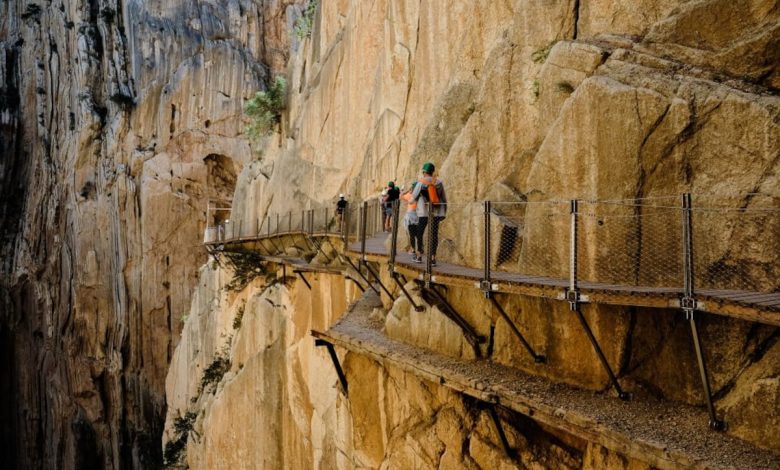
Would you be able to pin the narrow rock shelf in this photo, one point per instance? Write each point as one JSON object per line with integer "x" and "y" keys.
{"x": 664, "y": 434}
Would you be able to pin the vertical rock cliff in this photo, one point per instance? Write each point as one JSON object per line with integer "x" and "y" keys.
{"x": 114, "y": 118}
{"x": 514, "y": 101}
{"x": 119, "y": 120}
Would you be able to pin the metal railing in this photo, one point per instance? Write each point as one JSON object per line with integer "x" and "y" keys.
{"x": 323, "y": 221}
{"x": 732, "y": 244}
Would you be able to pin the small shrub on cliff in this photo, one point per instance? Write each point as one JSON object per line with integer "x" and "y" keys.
{"x": 239, "y": 316}
{"x": 175, "y": 447}
{"x": 215, "y": 371}
{"x": 265, "y": 109}
{"x": 539, "y": 56}
{"x": 305, "y": 23}
{"x": 246, "y": 267}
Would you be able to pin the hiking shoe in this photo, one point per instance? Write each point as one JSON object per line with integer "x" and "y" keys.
{"x": 433, "y": 262}
{"x": 417, "y": 259}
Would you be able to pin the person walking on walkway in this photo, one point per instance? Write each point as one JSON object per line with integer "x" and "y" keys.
{"x": 393, "y": 194}
{"x": 431, "y": 190}
{"x": 341, "y": 207}
{"x": 410, "y": 218}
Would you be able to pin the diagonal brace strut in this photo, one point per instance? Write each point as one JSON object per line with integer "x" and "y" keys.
{"x": 336, "y": 364}
{"x": 538, "y": 358}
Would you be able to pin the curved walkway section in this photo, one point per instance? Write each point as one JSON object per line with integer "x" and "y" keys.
{"x": 664, "y": 434}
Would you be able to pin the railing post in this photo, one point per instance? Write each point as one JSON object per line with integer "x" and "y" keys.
{"x": 325, "y": 228}
{"x": 363, "y": 222}
{"x": 394, "y": 234}
{"x": 277, "y": 224}
{"x": 289, "y": 222}
{"x": 573, "y": 254}
{"x": 688, "y": 305}
{"x": 429, "y": 248}
{"x": 344, "y": 229}
{"x": 574, "y": 299}
{"x": 487, "y": 284}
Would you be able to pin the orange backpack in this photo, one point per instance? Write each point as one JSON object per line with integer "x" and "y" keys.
{"x": 433, "y": 194}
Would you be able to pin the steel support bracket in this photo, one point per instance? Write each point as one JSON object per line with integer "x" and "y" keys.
{"x": 417, "y": 308}
{"x": 500, "y": 430}
{"x": 688, "y": 305}
{"x": 335, "y": 359}
{"x": 303, "y": 278}
{"x": 538, "y": 358}
{"x": 573, "y": 297}
{"x": 486, "y": 286}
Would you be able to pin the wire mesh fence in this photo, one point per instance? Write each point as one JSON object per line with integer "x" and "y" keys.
{"x": 736, "y": 243}
{"x": 531, "y": 239}
{"x": 630, "y": 243}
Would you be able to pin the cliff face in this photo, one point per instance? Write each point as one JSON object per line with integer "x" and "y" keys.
{"x": 118, "y": 120}
{"x": 114, "y": 118}
{"x": 519, "y": 101}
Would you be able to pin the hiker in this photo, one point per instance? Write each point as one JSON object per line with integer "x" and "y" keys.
{"x": 410, "y": 218}
{"x": 341, "y": 207}
{"x": 393, "y": 194}
{"x": 382, "y": 207}
{"x": 431, "y": 191}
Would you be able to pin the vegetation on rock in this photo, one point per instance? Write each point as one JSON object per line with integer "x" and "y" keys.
{"x": 265, "y": 109}
{"x": 174, "y": 449}
{"x": 215, "y": 371}
{"x": 305, "y": 23}
{"x": 246, "y": 267}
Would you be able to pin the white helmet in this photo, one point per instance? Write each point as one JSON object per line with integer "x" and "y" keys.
{"x": 341, "y": 196}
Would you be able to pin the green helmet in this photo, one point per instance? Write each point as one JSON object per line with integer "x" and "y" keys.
{"x": 428, "y": 167}
{"x": 391, "y": 184}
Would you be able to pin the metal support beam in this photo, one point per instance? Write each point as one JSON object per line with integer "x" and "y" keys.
{"x": 434, "y": 297}
{"x": 303, "y": 278}
{"x": 362, "y": 289}
{"x": 335, "y": 359}
{"x": 360, "y": 273}
{"x": 417, "y": 308}
{"x": 500, "y": 430}
{"x": 573, "y": 297}
{"x": 376, "y": 276}
{"x": 538, "y": 358}
{"x": 688, "y": 304}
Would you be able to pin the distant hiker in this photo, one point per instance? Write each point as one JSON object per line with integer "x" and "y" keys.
{"x": 341, "y": 207}
{"x": 431, "y": 191}
{"x": 410, "y": 219}
{"x": 393, "y": 194}
{"x": 382, "y": 207}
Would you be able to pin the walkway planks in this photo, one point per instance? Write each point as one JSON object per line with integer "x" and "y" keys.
{"x": 664, "y": 434}
{"x": 750, "y": 306}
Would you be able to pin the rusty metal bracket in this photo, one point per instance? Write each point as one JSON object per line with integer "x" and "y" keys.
{"x": 360, "y": 273}
{"x": 303, "y": 278}
{"x": 335, "y": 359}
{"x": 538, "y": 358}
{"x": 434, "y": 297}
{"x": 417, "y": 308}
{"x": 500, "y": 430}
{"x": 359, "y": 286}
{"x": 376, "y": 276}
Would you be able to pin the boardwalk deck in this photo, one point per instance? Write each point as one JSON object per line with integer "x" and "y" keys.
{"x": 665, "y": 434}
{"x": 751, "y": 306}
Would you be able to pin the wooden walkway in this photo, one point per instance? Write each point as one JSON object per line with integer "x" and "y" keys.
{"x": 750, "y": 306}
{"x": 667, "y": 435}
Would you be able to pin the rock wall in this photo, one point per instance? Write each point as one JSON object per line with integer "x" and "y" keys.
{"x": 108, "y": 109}
{"x": 111, "y": 111}
{"x": 278, "y": 403}
{"x": 521, "y": 101}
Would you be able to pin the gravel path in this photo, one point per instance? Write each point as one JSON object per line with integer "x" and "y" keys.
{"x": 662, "y": 433}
